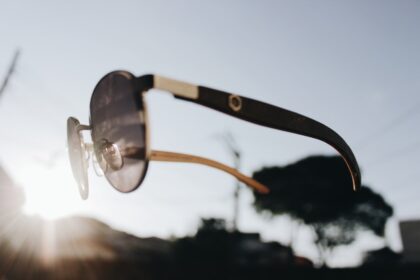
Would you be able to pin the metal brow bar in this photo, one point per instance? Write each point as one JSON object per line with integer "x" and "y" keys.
{"x": 262, "y": 114}
{"x": 178, "y": 88}
{"x": 177, "y": 157}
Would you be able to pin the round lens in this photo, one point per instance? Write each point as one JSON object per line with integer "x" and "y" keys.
{"x": 117, "y": 118}
{"x": 77, "y": 156}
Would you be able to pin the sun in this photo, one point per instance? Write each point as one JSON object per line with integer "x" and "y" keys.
{"x": 50, "y": 192}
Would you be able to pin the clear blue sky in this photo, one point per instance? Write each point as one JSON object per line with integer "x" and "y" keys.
{"x": 353, "y": 65}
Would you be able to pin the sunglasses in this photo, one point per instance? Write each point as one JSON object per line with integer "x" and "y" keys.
{"x": 120, "y": 132}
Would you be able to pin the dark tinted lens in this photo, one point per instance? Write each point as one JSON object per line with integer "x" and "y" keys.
{"x": 118, "y": 130}
{"x": 76, "y": 155}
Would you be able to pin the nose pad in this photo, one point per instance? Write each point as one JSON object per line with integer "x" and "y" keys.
{"x": 112, "y": 156}
{"x": 85, "y": 154}
{"x": 96, "y": 166}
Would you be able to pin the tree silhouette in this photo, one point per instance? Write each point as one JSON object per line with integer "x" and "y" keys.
{"x": 201, "y": 248}
{"x": 317, "y": 191}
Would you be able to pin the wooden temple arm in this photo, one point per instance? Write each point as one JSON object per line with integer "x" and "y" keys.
{"x": 257, "y": 112}
{"x": 177, "y": 157}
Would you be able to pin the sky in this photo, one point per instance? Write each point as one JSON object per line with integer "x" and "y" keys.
{"x": 352, "y": 65}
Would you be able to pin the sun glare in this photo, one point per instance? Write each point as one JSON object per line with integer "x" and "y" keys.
{"x": 50, "y": 191}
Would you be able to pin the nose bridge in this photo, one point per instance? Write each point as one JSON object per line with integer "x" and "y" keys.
{"x": 81, "y": 127}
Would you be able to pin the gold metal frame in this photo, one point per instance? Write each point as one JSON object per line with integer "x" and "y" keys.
{"x": 244, "y": 108}
{"x": 145, "y": 113}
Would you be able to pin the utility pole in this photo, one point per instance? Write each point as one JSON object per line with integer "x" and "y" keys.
{"x": 10, "y": 72}
{"x": 236, "y": 154}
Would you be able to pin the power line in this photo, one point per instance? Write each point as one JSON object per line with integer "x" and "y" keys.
{"x": 192, "y": 199}
{"x": 392, "y": 155}
{"x": 388, "y": 127}
{"x": 9, "y": 73}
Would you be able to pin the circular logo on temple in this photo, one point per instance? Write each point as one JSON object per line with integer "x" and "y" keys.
{"x": 235, "y": 102}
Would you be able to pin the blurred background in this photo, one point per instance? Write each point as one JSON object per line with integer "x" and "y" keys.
{"x": 352, "y": 65}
